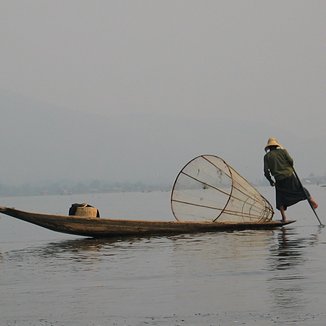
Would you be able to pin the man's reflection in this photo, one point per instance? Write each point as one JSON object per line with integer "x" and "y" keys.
{"x": 286, "y": 263}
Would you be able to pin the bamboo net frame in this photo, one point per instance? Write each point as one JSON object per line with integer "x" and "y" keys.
{"x": 209, "y": 189}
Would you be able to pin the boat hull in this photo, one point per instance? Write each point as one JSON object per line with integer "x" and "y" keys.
{"x": 107, "y": 227}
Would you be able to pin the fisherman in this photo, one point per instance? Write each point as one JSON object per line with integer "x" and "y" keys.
{"x": 279, "y": 164}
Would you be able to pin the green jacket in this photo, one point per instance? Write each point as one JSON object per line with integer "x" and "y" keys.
{"x": 278, "y": 163}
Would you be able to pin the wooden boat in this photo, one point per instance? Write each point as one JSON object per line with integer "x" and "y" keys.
{"x": 107, "y": 227}
{"x": 208, "y": 195}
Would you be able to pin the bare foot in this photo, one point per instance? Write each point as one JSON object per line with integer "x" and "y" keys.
{"x": 313, "y": 203}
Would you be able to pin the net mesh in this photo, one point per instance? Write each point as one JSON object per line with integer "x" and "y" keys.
{"x": 208, "y": 189}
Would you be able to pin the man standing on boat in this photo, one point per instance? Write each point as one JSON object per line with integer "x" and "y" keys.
{"x": 279, "y": 164}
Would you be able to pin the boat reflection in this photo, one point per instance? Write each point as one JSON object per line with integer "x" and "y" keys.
{"x": 86, "y": 245}
{"x": 85, "y": 253}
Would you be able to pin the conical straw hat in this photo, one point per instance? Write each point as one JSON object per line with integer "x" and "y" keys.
{"x": 272, "y": 142}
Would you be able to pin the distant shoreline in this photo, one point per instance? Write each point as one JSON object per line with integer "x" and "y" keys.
{"x": 96, "y": 187}
{"x": 76, "y": 188}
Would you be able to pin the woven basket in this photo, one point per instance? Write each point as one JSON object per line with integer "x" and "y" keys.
{"x": 86, "y": 211}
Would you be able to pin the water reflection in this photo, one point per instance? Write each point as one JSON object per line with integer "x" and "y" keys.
{"x": 290, "y": 247}
{"x": 79, "y": 245}
{"x": 287, "y": 262}
{"x": 82, "y": 254}
{"x": 74, "y": 246}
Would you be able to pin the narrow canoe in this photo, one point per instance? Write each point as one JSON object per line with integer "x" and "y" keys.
{"x": 107, "y": 227}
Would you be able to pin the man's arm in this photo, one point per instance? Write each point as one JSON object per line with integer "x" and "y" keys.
{"x": 267, "y": 173}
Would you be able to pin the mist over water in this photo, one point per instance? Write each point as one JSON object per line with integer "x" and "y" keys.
{"x": 131, "y": 91}
{"x": 266, "y": 277}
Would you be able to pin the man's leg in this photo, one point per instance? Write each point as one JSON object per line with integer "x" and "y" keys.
{"x": 282, "y": 210}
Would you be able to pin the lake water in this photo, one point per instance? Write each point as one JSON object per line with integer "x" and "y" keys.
{"x": 274, "y": 277}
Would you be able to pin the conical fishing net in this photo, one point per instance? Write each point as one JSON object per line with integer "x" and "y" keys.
{"x": 208, "y": 189}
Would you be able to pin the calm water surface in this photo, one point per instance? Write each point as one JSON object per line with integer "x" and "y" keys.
{"x": 275, "y": 277}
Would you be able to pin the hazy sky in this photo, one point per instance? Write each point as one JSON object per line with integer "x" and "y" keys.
{"x": 261, "y": 62}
